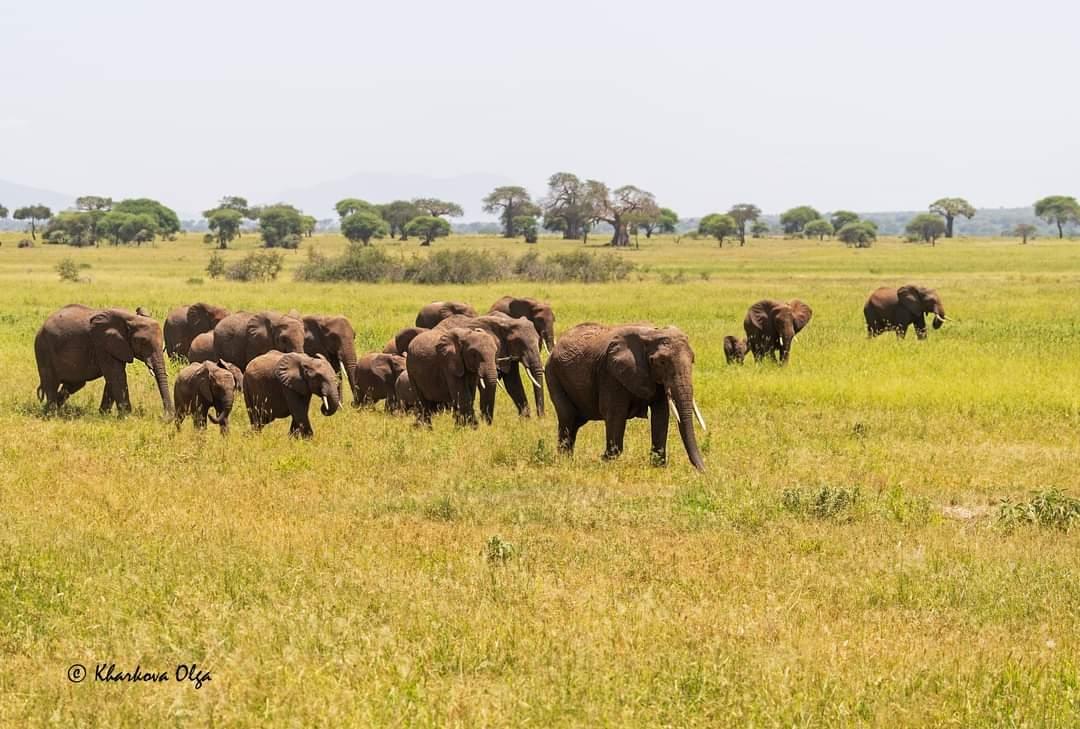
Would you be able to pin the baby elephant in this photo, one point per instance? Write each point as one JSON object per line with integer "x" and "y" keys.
{"x": 279, "y": 385}
{"x": 406, "y": 393}
{"x": 374, "y": 377}
{"x": 734, "y": 349}
{"x": 204, "y": 385}
{"x": 445, "y": 367}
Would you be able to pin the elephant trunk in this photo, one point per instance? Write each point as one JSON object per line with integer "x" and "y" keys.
{"x": 549, "y": 340}
{"x": 348, "y": 361}
{"x": 939, "y": 315}
{"x": 787, "y": 333}
{"x": 534, "y": 370}
{"x": 224, "y": 408}
{"x": 156, "y": 362}
{"x": 331, "y": 400}
{"x": 488, "y": 376}
{"x": 682, "y": 395}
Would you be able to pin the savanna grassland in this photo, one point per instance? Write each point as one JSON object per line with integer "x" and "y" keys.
{"x": 842, "y": 561}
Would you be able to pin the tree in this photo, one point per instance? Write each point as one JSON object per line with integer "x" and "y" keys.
{"x": 308, "y": 223}
{"x": 759, "y": 229}
{"x": 351, "y": 205}
{"x": 742, "y": 214}
{"x": 1025, "y": 231}
{"x": 509, "y": 201}
{"x": 1059, "y": 210}
{"x": 121, "y": 227}
{"x": 69, "y": 227}
{"x": 428, "y": 228}
{"x": 281, "y": 226}
{"x": 239, "y": 204}
{"x": 719, "y": 226}
{"x": 3, "y": 212}
{"x": 567, "y": 208}
{"x": 438, "y": 208}
{"x": 794, "y": 220}
{"x": 397, "y": 215}
{"x": 926, "y": 227}
{"x": 166, "y": 220}
{"x": 842, "y": 217}
{"x": 619, "y": 208}
{"x": 33, "y": 213}
{"x": 362, "y": 226}
{"x": 662, "y": 220}
{"x": 858, "y": 234}
{"x": 96, "y": 206}
{"x": 818, "y": 229}
{"x": 949, "y": 208}
{"x": 225, "y": 224}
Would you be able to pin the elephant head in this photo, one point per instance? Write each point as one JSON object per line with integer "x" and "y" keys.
{"x": 779, "y": 322}
{"x": 734, "y": 349}
{"x": 519, "y": 342}
{"x": 333, "y": 336}
{"x": 643, "y": 358}
{"x": 281, "y": 332}
{"x": 470, "y": 353}
{"x": 538, "y": 312}
{"x": 399, "y": 344}
{"x": 218, "y": 383}
{"x": 204, "y": 317}
{"x": 918, "y": 301}
{"x": 310, "y": 376}
{"x": 122, "y": 336}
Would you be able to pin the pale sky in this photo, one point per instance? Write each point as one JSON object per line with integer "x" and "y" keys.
{"x": 836, "y": 103}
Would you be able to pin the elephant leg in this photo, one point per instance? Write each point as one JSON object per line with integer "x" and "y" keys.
{"x": 67, "y": 389}
{"x": 658, "y": 424}
{"x": 512, "y": 381}
{"x": 116, "y": 388}
{"x": 298, "y": 407}
{"x": 107, "y": 400}
{"x": 615, "y": 428}
{"x": 199, "y": 415}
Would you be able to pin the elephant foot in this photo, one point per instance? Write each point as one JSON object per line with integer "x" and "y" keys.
{"x": 658, "y": 458}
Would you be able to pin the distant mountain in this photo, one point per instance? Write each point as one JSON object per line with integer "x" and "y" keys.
{"x": 379, "y": 187}
{"x": 14, "y": 195}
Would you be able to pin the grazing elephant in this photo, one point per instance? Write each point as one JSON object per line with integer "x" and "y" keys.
{"x": 598, "y": 372}
{"x": 77, "y": 344}
{"x": 335, "y": 339}
{"x": 202, "y": 348}
{"x": 518, "y": 343}
{"x": 538, "y": 312}
{"x": 280, "y": 385}
{"x": 445, "y": 366}
{"x": 399, "y": 344}
{"x": 375, "y": 377}
{"x": 204, "y": 385}
{"x": 184, "y": 323}
{"x": 243, "y": 336}
{"x": 407, "y": 399}
{"x": 771, "y": 326}
{"x": 436, "y": 311}
{"x": 897, "y": 309}
{"x": 734, "y": 349}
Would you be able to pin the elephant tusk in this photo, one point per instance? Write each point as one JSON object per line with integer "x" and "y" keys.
{"x": 530, "y": 374}
{"x": 482, "y": 385}
{"x": 674, "y": 411}
{"x": 781, "y": 342}
{"x": 325, "y": 402}
{"x": 700, "y": 419}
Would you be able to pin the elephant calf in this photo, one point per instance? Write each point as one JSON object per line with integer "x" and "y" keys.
{"x": 407, "y": 398}
{"x": 446, "y": 365}
{"x": 374, "y": 377}
{"x": 204, "y": 385}
{"x": 201, "y": 348}
{"x": 734, "y": 349}
{"x": 772, "y": 325}
{"x": 280, "y": 385}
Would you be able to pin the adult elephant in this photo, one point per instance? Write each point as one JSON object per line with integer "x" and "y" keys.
{"x": 897, "y": 309}
{"x": 281, "y": 385}
{"x": 538, "y": 312}
{"x": 446, "y": 365}
{"x": 599, "y": 372}
{"x": 374, "y": 379}
{"x": 202, "y": 348}
{"x": 436, "y": 311}
{"x": 772, "y": 325}
{"x": 184, "y": 323}
{"x": 77, "y": 344}
{"x": 335, "y": 339}
{"x": 518, "y": 343}
{"x": 243, "y": 336}
{"x": 399, "y": 343}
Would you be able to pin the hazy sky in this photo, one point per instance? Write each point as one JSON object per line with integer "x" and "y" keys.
{"x": 836, "y": 103}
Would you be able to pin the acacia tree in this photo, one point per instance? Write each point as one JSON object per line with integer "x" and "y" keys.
{"x": 362, "y": 226}
{"x": 719, "y": 226}
{"x": 567, "y": 207}
{"x": 351, "y": 205}
{"x": 742, "y": 214}
{"x": 438, "y": 208}
{"x": 1059, "y": 210}
{"x": 224, "y": 224}
{"x": 3, "y": 212}
{"x": 949, "y": 208}
{"x": 841, "y": 218}
{"x": 95, "y": 206}
{"x": 927, "y": 227}
{"x": 662, "y": 220}
{"x": 167, "y": 222}
{"x": 428, "y": 228}
{"x": 509, "y": 201}
{"x": 759, "y": 229}
{"x": 281, "y": 226}
{"x": 795, "y": 219}
{"x": 818, "y": 229}
{"x": 619, "y": 207}
{"x": 397, "y": 215}
{"x": 1025, "y": 231}
{"x": 858, "y": 234}
{"x": 33, "y": 213}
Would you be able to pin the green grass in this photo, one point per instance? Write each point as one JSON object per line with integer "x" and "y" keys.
{"x": 379, "y": 574}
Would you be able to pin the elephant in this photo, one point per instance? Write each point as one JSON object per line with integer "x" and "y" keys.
{"x": 734, "y": 349}
{"x": 280, "y": 385}
{"x": 202, "y": 348}
{"x": 77, "y": 344}
{"x": 375, "y": 377}
{"x": 399, "y": 343}
{"x": 613, "y": 373}
{"x": 184, "y": 323}
{"x": 518, "y": 342}
{"x": 436, "y": 311}
{"x": 897, "y": 309}
{"x": 538, "y": 312}
{"x": 240, "y": 337}
{"x": 407, "y": 399}
{"x": 335, "y": 339}
{"x": 771, "y": 326}
{"x": 445, "y": 365}
{"x": 204, "y": 385}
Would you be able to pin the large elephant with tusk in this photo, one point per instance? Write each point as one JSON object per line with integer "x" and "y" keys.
{"x": 771, "y": 327}
{"x": 538, "y": 312}
{"x": 446, "y": 365}
{"x": 897, "y": 309}
{"x": 612, "y": 374}
{"x": 281, "y": 385}
{"x": 334, "y": 338}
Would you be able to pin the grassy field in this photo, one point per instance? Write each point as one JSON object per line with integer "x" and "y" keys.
{"x": 840, "y": 563}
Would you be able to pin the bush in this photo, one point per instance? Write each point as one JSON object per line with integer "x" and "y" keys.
{"x": 68, "y": 270}
{"x": 366, "y": 264}
{"x": 460, "y": 266}
{"x": 574, "y": 266}
{"x": 258, "y": 266}
{"x": 1048, "y": 509}
{"x": 216, "y": 267}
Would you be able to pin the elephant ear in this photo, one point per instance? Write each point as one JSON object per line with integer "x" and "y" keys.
{"x": 627, "y": 362}
{"x": 202, "y": 381}
{"x": 450, "y": 352}
{"x": 801, "y": 314}
{"x": 198, "y": 318}
{"x": 290, "y": 373}
{"x": 109, "y": 333}
{"x": 237, "y": 373}
{"x": 259, "y": 325}
{"x": 910, "y": 298}
{"x": 382, "y": 369}
{"x": 760, "y": 315}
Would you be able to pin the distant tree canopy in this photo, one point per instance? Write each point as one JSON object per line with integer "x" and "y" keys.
{"x": 840, "y": 218}
{"x": 509, "y": 202}
{"x": 70, "y": 227}
{"x": 33, "y": 213}
{"x": 95, "y": 206}
{"x": 3, "y": 212}
{"x": 818, "y": 228}
{"x": 1059, "y": 210}
{"x": 858, "y": 234}
{"x": 224, "y": 224}
{"x": 1025, "y": 231}
{"x": 362, "y": 226}
{"x": 619, "y": 208}
{"x": 794, "y": 220}
{"x": 719, "y": 226}
{"x": 281, "y": 226}
{"x": 351, "y": 205}
{"x": 166, "y": 222}
{"x": 397, "y": 215}
{"x": 428, "y": 228}
{"x": 438, "y": 208}
{"x": 759, "y": 229}
{"x": 125, "y": 227}
{"x": 239, "y": 204}
{"x": 567, "y": 207}
{"x": 742, "y": 214}
{"x": 949, "y": 208}
{"x": 927, "y": 227}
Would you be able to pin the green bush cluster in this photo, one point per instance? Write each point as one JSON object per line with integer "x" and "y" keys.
{"x": 256, "y": 266}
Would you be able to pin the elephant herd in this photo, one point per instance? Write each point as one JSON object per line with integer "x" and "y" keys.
{"x": 279, "y": 362}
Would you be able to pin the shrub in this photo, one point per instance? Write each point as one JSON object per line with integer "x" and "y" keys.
{"x": 216, "y": 267}
{"x": 460, "y": 266}
{"x": 1049, "y": 509}
{"x": 367, "y": 264}
{"x": 68, "y": 270}
{"x": 257, "y": 266}
{"x": 828, "y": 502}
